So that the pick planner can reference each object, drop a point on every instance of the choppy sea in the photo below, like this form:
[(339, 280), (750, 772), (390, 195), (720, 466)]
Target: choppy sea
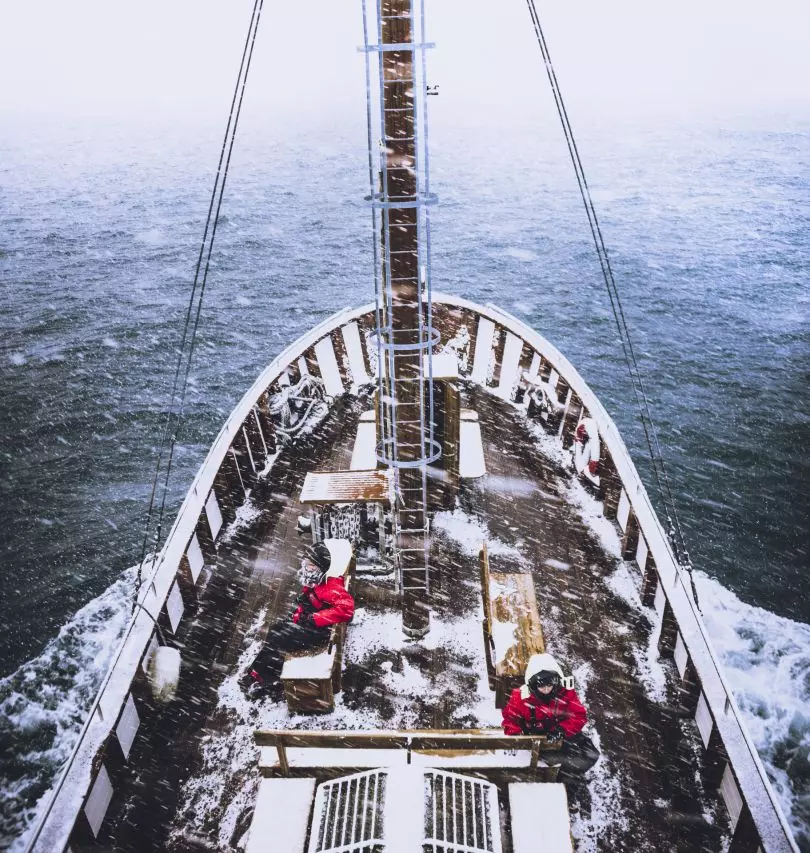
[(708, 226)]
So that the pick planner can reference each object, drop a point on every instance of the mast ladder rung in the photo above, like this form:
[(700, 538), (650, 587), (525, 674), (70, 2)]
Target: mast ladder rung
[(396, 48)]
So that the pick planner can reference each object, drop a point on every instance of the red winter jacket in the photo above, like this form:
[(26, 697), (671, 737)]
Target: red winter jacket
[(330, 602), (528, 716)]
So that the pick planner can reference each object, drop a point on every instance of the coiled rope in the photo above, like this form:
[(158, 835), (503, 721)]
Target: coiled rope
[(675, 531)]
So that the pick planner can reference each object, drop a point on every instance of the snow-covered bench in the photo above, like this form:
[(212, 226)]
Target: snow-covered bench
[(281, 816), (311, 678), (512, 630), (543, 805), (364, 454)]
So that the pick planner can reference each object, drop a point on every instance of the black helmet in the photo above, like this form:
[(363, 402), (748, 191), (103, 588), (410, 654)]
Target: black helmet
[(545, 678), (319, 554), (319, 557)]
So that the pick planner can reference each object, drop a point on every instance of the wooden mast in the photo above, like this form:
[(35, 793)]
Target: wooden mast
[(403, 314)]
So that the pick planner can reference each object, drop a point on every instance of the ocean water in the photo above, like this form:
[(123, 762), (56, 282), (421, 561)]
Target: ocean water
[(708, 226)]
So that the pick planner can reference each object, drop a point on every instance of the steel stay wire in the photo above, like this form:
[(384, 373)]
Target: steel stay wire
[(242, 78), (651, 436), (174, 417), (679, 545)]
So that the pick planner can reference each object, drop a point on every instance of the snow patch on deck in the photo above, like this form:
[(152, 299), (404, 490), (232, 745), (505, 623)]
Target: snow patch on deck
[(604, 783), (605, 819), (625, 583), (470, 532), (245, 515), (592, 513)]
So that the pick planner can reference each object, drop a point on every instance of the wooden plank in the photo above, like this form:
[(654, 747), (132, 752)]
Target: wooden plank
[(439, 741), (513, 603), (298, 758), (484, 558), (326, 487), (332, 739), (417, 739)]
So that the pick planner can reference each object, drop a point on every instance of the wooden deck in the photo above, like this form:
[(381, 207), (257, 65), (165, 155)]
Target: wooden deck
[(648, 746)]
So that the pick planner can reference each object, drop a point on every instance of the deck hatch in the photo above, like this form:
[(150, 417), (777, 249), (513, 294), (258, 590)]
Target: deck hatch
[(348, 816), (461, 814), (376, 812)]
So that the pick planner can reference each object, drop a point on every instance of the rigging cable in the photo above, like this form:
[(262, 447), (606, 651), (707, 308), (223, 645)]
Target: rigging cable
[(174, 416), (659, 470)]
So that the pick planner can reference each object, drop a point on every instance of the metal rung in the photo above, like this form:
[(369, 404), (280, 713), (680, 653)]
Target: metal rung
[(422, 201), (396, 48), (432, 340)]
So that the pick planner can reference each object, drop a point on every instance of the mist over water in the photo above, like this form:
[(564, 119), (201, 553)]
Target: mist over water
[(708, 229)]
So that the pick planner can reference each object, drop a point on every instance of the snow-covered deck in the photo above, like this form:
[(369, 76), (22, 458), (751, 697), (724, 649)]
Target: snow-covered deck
[(191, 771), (535, 517)]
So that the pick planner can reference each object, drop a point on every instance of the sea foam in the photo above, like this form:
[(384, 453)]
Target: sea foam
[(43, 703)]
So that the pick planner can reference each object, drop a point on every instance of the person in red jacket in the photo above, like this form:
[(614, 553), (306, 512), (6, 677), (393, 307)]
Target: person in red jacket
[(547, 704), (322, 602)]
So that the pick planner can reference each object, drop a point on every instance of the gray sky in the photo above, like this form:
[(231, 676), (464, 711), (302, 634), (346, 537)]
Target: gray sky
[(95, 57)]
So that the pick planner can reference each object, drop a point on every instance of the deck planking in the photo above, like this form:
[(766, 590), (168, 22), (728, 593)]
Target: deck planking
[(648, 744), (653, 746), (254, 571)]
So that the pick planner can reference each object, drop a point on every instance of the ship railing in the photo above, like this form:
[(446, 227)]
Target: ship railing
[(202, 506), (743, 781), (491, 749)]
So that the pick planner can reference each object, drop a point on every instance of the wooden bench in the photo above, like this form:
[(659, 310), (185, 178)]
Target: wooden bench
[(281, 816), (364, 453), (312, 677), (512, 630), (539, 808)]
